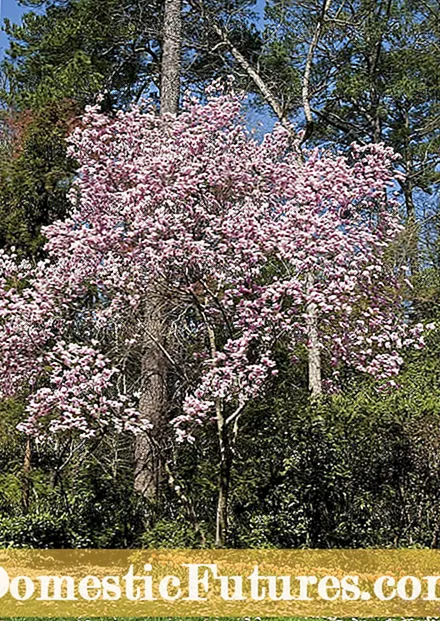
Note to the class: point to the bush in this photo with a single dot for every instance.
(170, 534)
(36, 531)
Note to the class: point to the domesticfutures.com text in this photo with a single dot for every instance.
(199, 581)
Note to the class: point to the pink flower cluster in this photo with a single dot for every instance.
(77, 395)
(240, 237)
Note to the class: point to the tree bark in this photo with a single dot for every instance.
(315, 381)
(221, 531)
(27, 467)
(254, 75)
(412, 228)
(148, 466)
(147, 452)
(224, 479)
(408, 189)
(171, 52)
(315, 375)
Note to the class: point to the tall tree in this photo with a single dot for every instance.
(148, 446)
(63, 57)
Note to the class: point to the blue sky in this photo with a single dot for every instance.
(12, 10)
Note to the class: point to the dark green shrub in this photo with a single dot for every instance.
(36, 531)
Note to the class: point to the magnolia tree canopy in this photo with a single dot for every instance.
(237, 238)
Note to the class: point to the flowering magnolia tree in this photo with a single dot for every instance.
(238, 238)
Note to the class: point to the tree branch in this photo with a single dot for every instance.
(308, 70)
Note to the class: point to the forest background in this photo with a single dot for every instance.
(356, 468)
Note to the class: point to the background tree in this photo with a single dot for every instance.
(75, 49)
(35, 173)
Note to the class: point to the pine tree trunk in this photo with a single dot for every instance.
(412, 228)
(147, 453)
(171, 52)
(148, 467)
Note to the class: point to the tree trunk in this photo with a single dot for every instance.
(148, 468)
(147, 452)
(254, 75)
(171, 51)
(225, 465)
(308, 69)
(224, 479)
(412, 229)
(315, 382)
(27, 467)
